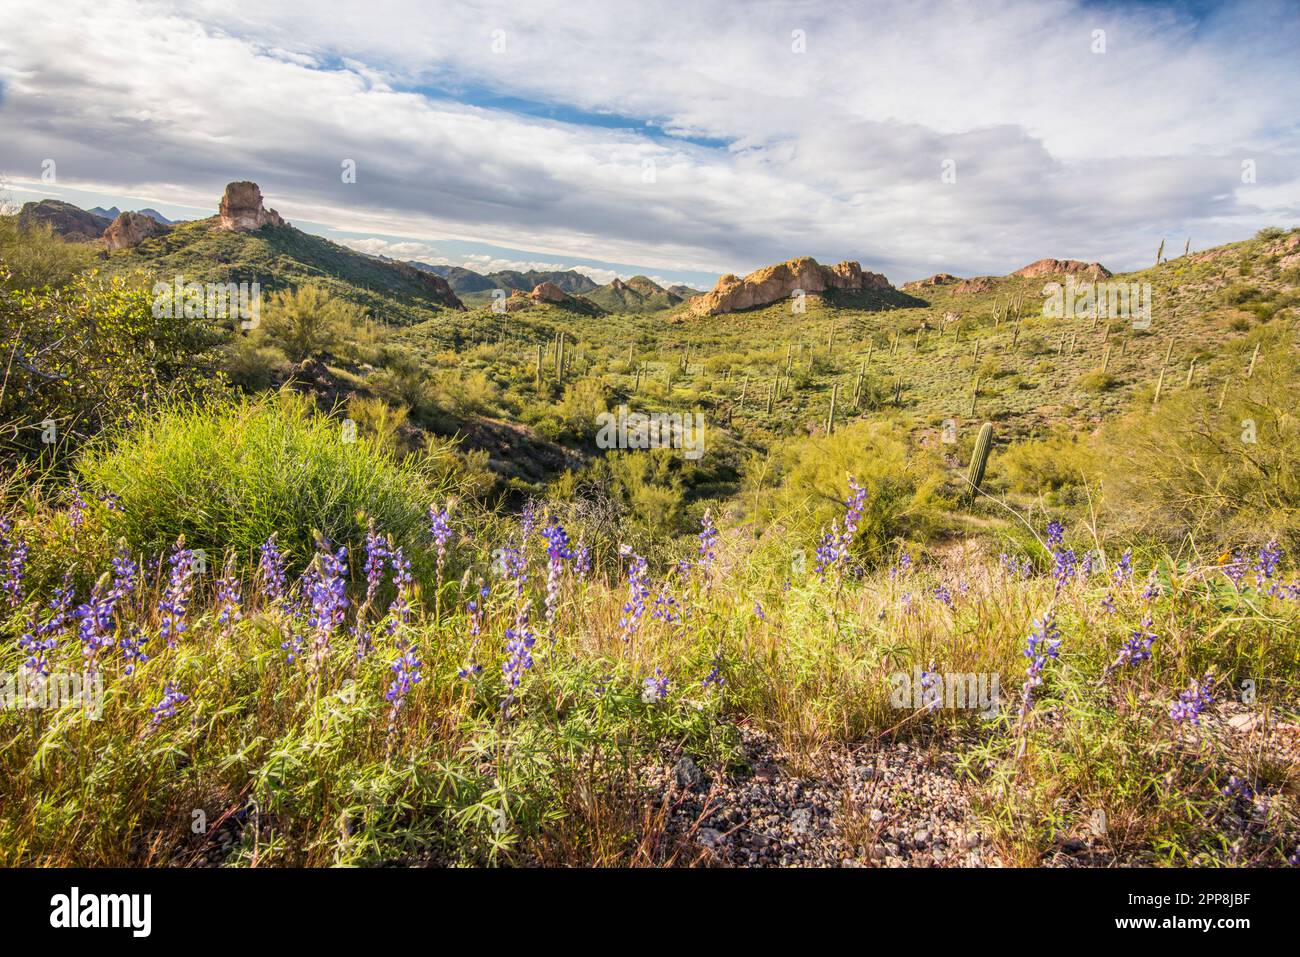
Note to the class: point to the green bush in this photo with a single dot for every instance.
(228, 475)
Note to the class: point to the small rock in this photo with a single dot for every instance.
(1245, 722)
(688, 773)
(921, 837)
(876, 815)
(801, 821)
(709, 837)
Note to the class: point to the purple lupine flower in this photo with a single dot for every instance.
(14, 564)
(714, 677)
(399, 609)
(406, 675)
(708, 536)
(76, 509)
(1137, 647)
(931, 697)
(1124, 568)
(1152, 591)
(514, 564)
(1042, 646)
(655, 687)
(519, 645)
(828, 549)
(905, 603)
(229, 600)
(1236, 568)
(111, 502)
(1198, 696)
(1237, 788)
(1016, 568)
(638, 590)
(582, 560)
(1055, 534)
(942, 594)
(1270, 557)
(377, 555)
(758, 611)
(853, 511)
(271, 567)
(166, 708)
(327, 598)
(43, 637)
(132, 645)
(126, 573)
(902, 567)
(528, 520)
(176, 596)
(95, 621)
(440, 529)
(666, 607)
(557, 553)
(475, 608)
(1108, 603)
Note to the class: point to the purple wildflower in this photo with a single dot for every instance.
(176, 596)
(638, 590)
(14, 564)
(708, 536)
(166, 708)
(655, 687)
(557, 553)
(271, 567)
(42, 637)
(1041, 647)
(1198, 696)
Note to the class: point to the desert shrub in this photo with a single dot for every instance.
(231, 474)
(902, 484)
(90, 354)
(1045, 465)
(379, 420)
(308, 321)
(32, 257)
(1097, 381)
(1189, 470)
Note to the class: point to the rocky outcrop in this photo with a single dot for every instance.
(548, 292)
(1060, 267)
(938, 279)
(131, 229)
(242, 210)
(68, 221)
(968, 287)
(774, 283)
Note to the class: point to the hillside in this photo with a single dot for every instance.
(634, 296)
(283, 257)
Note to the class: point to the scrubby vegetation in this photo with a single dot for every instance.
(361, 587)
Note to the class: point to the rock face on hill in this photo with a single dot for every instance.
(774, 283)
(68, 221)
(1067, 267)
(548, 292)
(242, 210)
(130, 229)
(938, 279)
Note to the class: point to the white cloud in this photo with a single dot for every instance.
(835, 152)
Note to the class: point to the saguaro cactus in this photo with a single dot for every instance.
(979, 458)
(830, 416)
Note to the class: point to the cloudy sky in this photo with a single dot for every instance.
(678, 139)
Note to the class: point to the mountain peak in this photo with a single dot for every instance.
(773, 283)
(242, 210)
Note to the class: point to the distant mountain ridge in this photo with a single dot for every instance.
(113, 212)
(464, 280)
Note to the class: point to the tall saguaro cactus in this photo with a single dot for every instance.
(979, 458)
